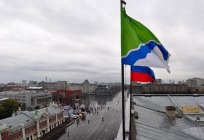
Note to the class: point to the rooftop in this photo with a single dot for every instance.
(35, 88)
(153, 123)
(27, 118)
(12, 93)
(3, 99)
(2, 127)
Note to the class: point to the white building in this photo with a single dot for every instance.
(24, 83)
(86, 87)
(61, 85)
(103, 90)
(195, 82)
(31, 98)
(75, 86)
(33, 84)
(51, 86)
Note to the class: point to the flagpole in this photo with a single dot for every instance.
(123, 101)
(130, 127)
(122, 80)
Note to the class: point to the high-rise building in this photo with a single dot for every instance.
(33, 84)
(24, 83)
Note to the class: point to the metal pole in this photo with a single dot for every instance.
(130, 127)
(123, 101)
(122, 80)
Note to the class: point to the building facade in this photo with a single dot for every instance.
(163, 88)
(195, 82)
(31, 125)
(24, 83)
(86, 87)
(52, 86)
(103, 90)
(66, 96)
(10, 87)
(3, 131)
(33, 84)
(75, 86)
(31, 98)
(106, 90)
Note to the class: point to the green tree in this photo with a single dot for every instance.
(2, 112)
(8, 107)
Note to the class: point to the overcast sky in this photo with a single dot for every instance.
(77, 39)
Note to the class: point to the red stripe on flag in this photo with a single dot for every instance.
(141, 77)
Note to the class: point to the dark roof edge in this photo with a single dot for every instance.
(149, 95)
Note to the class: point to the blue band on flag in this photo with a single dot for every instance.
(142, 52)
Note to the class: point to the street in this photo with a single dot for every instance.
(101, 124)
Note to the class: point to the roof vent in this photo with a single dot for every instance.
(197, 118)
(179, 114)
(199, 121)
(171, 112)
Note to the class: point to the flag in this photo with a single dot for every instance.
(142, 74)
(139, 46)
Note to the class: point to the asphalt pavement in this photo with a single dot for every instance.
(101, 124)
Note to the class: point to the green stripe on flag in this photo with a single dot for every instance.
(133, 33)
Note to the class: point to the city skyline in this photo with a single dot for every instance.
(75, 40)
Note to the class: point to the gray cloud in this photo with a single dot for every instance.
(74, 40)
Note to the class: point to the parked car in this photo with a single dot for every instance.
(74, 116)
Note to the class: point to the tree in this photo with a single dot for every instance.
(8, 107)
(2, 114)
